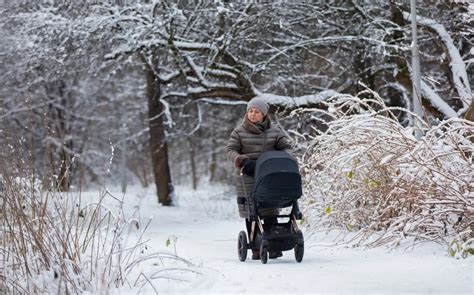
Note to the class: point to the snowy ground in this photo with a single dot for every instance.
(203, 229)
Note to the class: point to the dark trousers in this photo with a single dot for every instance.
(267, 225)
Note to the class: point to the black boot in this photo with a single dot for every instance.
(255, 254)
(275, 254)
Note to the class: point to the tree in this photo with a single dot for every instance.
(58, 90)
(39, 83)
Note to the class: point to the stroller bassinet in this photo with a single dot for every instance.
(277, 185)
(277, 180)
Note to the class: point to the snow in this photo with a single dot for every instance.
(203, 227)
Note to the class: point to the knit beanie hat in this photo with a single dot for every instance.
(259, 104)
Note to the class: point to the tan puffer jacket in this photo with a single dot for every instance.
(248, 141)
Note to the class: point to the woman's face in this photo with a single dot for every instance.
(254, 115)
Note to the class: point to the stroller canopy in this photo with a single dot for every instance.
(277, 180)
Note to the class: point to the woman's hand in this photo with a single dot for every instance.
(248, 167)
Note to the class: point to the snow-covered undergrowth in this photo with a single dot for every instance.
(369, 175)
(62, 243)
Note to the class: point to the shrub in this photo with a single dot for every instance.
(369, 174)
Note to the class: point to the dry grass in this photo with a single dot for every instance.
(53, 243)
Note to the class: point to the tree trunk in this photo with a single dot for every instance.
(64, 172)
(212, 166)
(403, 76)
(123, 164)
(193, 162)
(158, 145)
(60, 157)
(469, 115)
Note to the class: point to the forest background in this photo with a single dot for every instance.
(172, 77)
(121, 92)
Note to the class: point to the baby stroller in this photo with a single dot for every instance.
(277, 185)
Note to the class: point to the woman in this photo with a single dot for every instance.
(254, 136)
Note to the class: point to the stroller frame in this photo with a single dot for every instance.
(274, 237)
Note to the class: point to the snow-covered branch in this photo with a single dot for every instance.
(456, 63)
(437, 102)
(304, 101)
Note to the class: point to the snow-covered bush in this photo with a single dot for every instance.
(59, 243)
(370, 175)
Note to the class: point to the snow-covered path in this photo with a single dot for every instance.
(203, 229)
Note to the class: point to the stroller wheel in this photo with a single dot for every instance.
(242, 246)
(299, 247)
(299, 252)
(263, 253)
